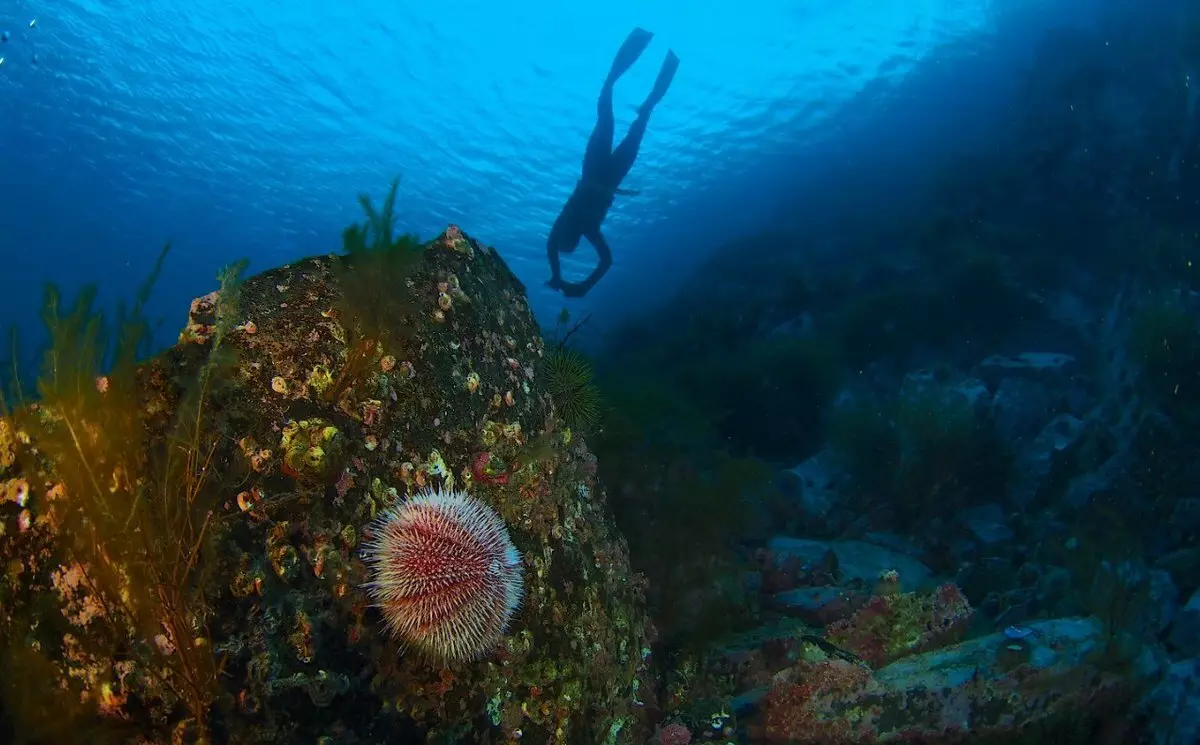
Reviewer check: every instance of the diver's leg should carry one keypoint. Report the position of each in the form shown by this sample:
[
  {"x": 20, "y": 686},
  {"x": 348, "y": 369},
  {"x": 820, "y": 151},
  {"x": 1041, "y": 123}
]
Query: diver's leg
[
  {"x": 600, "y": 143},
  {"x": 627, "y": 152},
  {"x": 666, "y": 74},
  {"x": 599, "y": 146}
]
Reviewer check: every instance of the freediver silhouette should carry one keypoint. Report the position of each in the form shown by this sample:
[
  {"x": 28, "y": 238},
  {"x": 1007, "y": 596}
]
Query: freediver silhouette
[{"x": 604, "y": 168}]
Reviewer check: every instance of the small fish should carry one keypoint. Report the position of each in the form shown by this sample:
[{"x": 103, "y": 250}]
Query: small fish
[{"x": 33, "y": 23}]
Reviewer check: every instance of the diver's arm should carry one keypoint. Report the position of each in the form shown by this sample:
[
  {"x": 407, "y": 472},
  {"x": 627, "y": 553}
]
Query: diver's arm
[
  {"x": 579, "y": 289},
  {"x": 555, "y": 269}
]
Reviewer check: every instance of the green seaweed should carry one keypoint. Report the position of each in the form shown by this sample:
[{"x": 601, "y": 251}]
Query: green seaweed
[
  {"x": 376, "y": 303},
  {"x": 683, "y": 503},
  {"x": 1166, "y": 341},
  {"x": 922, "y": 452},
  {"x": 768, "y": 394}
]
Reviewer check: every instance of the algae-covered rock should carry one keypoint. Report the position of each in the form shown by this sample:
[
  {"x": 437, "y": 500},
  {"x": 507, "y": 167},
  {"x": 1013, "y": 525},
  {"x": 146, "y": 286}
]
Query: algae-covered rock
[
  {"x": 856, "y": 560},
  {"x": 306, "y": 431},
  {"x": 1047, "y": 683}
]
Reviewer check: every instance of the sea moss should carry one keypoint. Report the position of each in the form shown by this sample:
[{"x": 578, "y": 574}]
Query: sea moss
[
  {"x": 684, "y": 502},
  {"x": 922, "y": 452}
]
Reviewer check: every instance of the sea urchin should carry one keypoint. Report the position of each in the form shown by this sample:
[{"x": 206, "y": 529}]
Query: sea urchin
[{"x": 444, "y": 573}]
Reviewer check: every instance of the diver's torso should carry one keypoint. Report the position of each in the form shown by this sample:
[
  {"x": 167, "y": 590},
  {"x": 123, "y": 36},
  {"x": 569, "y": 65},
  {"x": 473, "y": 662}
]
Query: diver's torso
[{"x": 589, "y": 204}]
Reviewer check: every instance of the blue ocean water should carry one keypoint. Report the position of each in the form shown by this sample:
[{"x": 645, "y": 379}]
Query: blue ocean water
[
  {"x": 902, "y": 325},
  {"x": 238, "y": 131}
]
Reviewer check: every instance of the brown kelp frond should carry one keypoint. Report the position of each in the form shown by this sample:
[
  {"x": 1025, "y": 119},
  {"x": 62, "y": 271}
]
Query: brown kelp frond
[
  {"x": 136, "y": 504},
  {"x": 376, "y": 301},
  {"x": 11, "y": 394},
  {"x": 182, "y": 519}
]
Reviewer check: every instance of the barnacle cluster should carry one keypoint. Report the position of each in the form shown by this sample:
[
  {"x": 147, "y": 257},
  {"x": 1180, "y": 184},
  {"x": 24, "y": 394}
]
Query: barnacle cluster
[
  {"x": 8, "y": 444},
  {"x": 311, "y": 447}
]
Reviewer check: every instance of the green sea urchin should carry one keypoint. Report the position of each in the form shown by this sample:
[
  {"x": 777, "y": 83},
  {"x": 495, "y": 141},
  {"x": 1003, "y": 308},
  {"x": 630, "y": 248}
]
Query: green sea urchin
[{"x": 569, "y": 382}]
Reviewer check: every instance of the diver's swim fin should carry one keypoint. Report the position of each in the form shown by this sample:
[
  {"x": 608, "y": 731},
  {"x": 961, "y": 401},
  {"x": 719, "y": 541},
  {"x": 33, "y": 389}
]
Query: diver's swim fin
[
  {"x": 630, "y": 50},
  {"x": 666, "y": 74}
]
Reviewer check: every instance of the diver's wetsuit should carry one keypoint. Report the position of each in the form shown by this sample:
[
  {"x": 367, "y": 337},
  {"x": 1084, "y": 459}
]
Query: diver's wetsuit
[{"x": 603, "y": 169}]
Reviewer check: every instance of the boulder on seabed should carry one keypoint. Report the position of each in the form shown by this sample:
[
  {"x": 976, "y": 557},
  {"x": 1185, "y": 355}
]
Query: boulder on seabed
[
  {"x": 821, "y": 605},
  {"x": 1185, "y": 628},
  {"x": 856, "y": 560},
  {"x": 987, "y": 523},
  {"x": 1046, "y": 677},
  {"x": 1162, "y": 603},
  {"x": 1020, "y": 408},
  {"x": 973, "y": 390},
  {"x": 298, "y": 437},
  {"x": 821, "y": 582},
  {"x": 1032, "y": 365},
  {"x": 1032, "y": 386},
  {"x": 817, "y": 475},
  {"x": 1034, "y": 460},
  {"x": 1172, "y": 708}
]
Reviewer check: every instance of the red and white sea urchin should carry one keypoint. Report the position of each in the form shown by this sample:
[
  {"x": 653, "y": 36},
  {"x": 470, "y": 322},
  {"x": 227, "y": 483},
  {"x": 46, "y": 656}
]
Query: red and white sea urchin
[{"x": 444, "y": 573}]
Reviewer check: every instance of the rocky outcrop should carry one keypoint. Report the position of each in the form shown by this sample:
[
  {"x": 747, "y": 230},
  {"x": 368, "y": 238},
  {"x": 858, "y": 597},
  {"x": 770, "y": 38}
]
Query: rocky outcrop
[
  {"x": 1172, "y": 708},
  {"x": 305, "y": 431},
  {"x": 1045, "y": 683},
  {"x": 866, "y": 649}
]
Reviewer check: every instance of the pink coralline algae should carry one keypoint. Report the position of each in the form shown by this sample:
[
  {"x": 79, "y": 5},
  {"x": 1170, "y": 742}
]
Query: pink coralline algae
[
  {"x": 489, "y": 470},
  {"x": 812, "y": 704},
  {"x": 454, "y": 240},
  {"x": 892, "y": 626},
  {"x": 674, "y": 734}
]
